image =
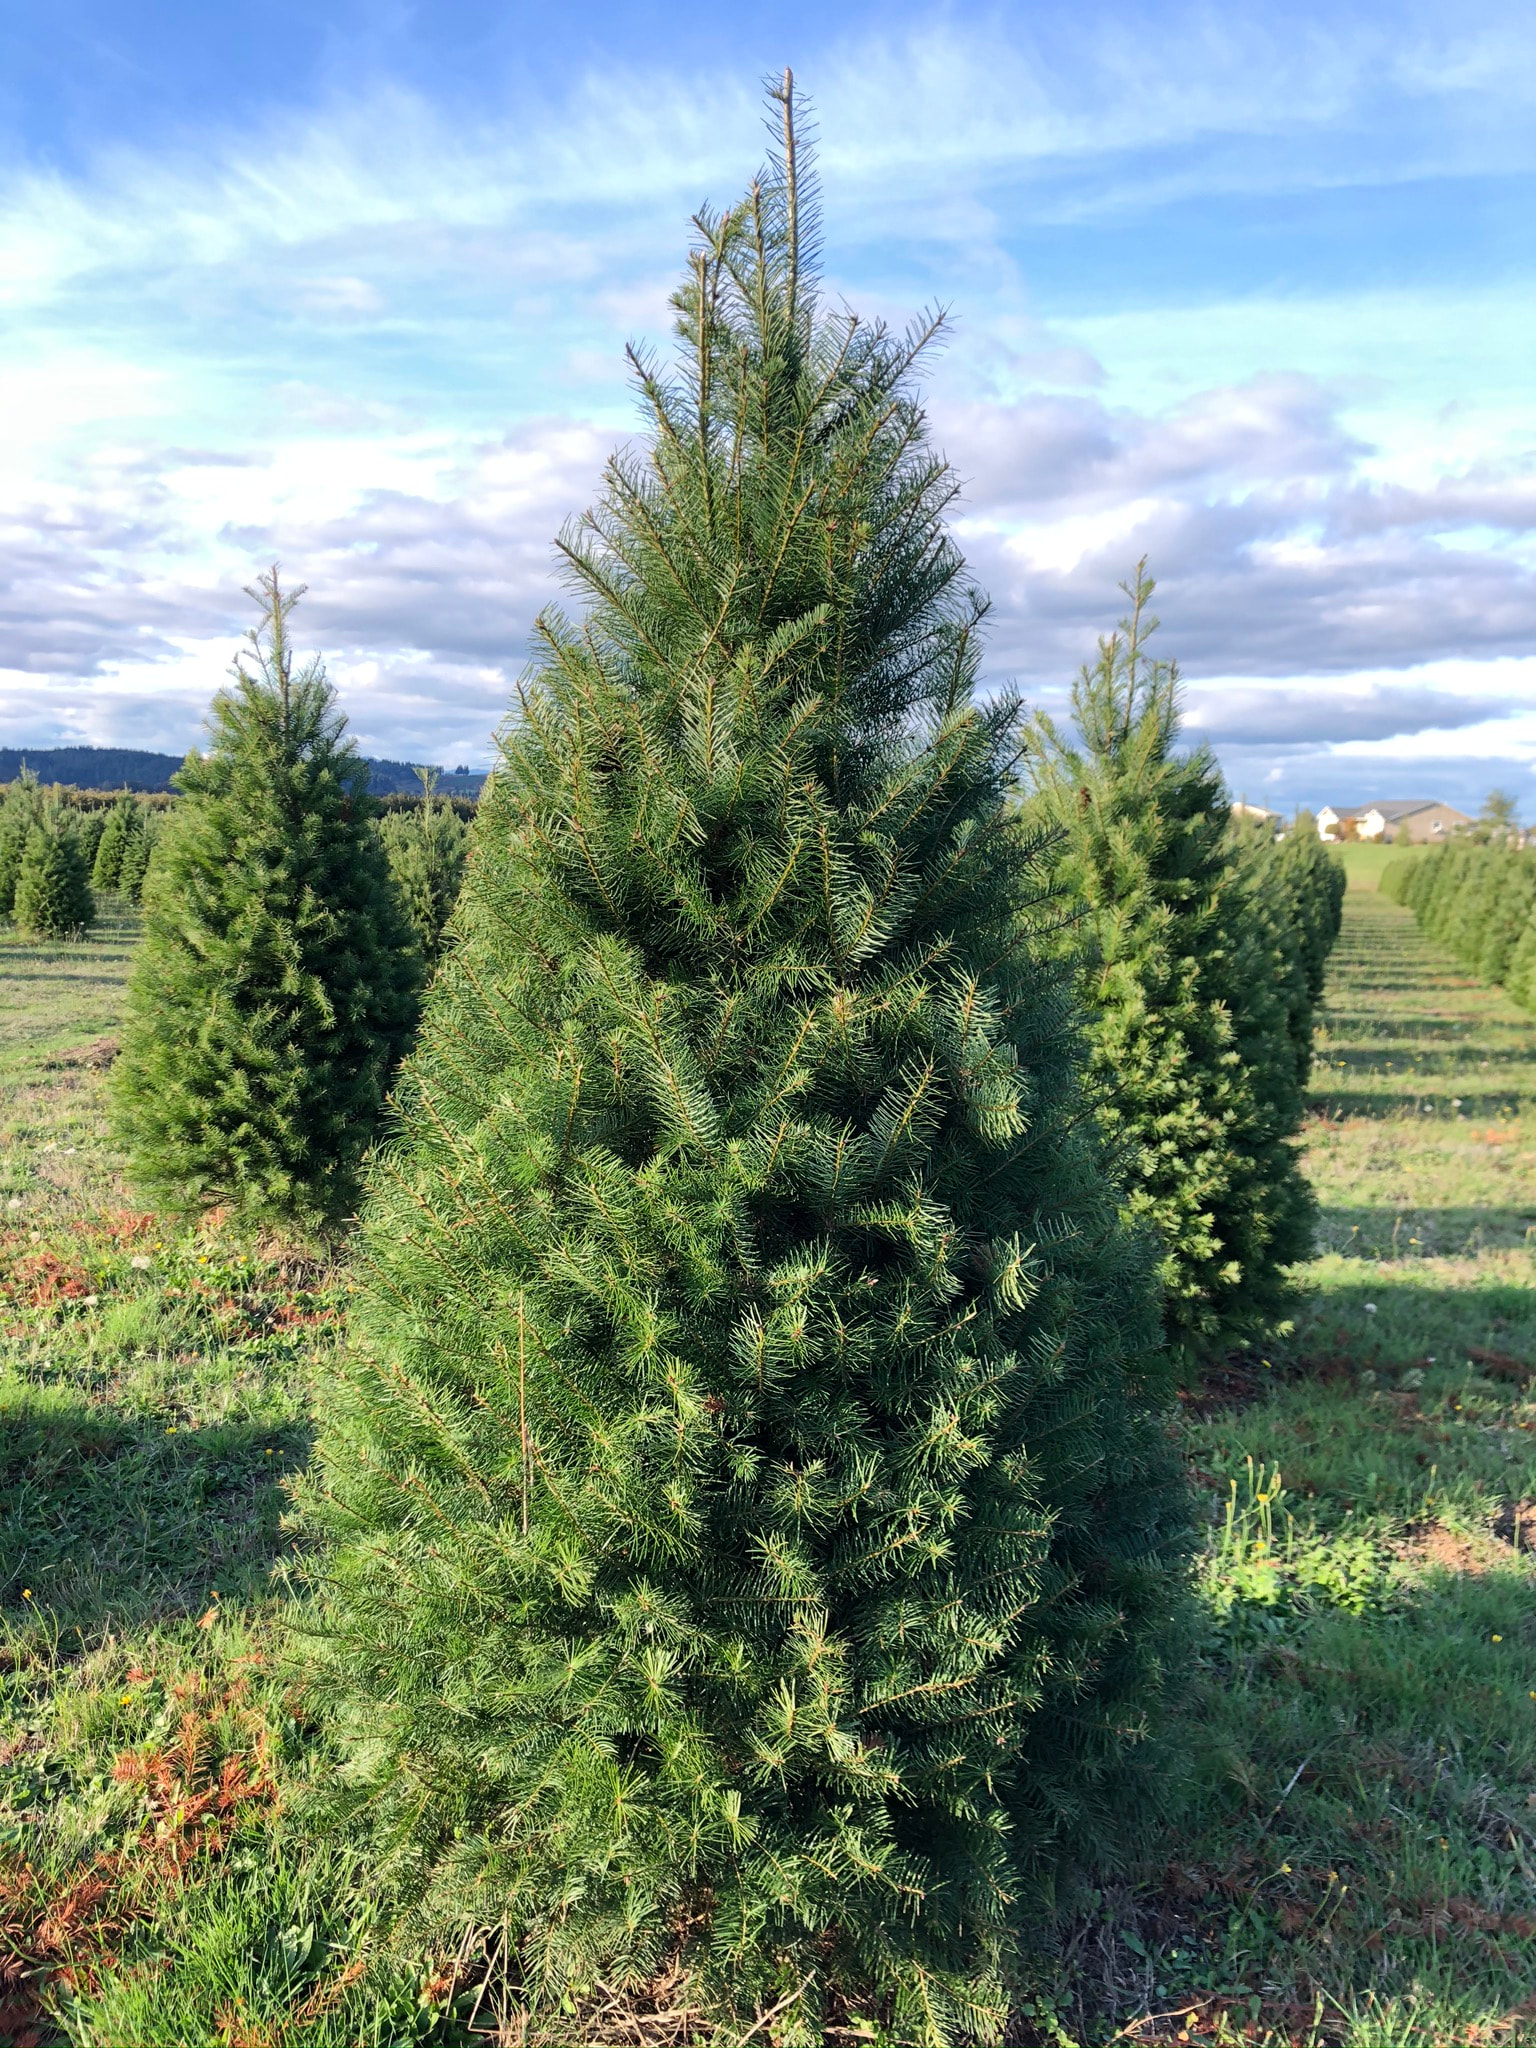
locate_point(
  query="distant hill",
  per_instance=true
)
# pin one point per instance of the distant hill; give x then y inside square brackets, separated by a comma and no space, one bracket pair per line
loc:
[132,768]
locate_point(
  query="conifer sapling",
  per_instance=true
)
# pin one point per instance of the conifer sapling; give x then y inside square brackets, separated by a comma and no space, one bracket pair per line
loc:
[753,1527]
[53,892]
[276,984]
[1194,1066]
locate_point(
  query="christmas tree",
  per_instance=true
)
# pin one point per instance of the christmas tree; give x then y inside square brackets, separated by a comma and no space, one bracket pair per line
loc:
[1195,1068]
[20,814]
[753,1523]
[87,827]
[53,890]
[136,857]
[1314,882]
[124,825]
[276,984]
[426,847]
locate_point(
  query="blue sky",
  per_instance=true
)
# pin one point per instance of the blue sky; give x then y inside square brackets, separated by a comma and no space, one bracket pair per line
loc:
[1251,291]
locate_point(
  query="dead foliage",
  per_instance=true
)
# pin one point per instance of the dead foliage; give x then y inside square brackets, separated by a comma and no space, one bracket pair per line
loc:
[39,1279]
[123,1226]
[66,1930]
[1500,1365]
[94,1057]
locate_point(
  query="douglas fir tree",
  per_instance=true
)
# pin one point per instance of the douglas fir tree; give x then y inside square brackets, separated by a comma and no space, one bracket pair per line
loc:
[1195,1065]
[53,890]
[753,1522]
[137,851]
[426,846]
[20,815]
[276,984]
[124,827]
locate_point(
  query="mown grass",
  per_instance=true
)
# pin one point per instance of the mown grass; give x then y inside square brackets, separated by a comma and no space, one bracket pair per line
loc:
[1364,863]
[1351,1850]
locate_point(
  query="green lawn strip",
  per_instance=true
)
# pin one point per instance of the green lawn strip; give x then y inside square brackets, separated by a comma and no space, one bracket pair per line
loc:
[55,994]
[1365,863]
[1355,1860]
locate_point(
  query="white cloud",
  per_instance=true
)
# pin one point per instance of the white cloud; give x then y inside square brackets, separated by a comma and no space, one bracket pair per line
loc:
[293,340]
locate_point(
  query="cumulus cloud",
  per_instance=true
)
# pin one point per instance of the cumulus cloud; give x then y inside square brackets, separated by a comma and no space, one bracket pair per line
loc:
[1276,551]
[293,344]
[428,559]
[1313,717]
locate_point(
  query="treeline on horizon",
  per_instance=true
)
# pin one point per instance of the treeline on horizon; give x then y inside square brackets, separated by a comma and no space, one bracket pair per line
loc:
[103,771]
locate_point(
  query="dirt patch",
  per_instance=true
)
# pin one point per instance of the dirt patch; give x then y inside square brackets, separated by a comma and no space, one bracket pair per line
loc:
[94,1057]
[1433,1547]
[1516,1525]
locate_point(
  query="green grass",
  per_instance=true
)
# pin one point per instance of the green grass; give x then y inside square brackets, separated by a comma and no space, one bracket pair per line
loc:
[1364,863]
[1350,1855]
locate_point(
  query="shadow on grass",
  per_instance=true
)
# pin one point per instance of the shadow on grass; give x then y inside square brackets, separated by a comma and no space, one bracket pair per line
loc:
[1408,1232]
[1346,1839]
[1393,1313]
[1464,1104]
[108,1518]
[1371,1025]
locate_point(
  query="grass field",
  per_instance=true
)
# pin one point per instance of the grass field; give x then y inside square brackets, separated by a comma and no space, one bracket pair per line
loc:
[1364,864]
[1351,1850]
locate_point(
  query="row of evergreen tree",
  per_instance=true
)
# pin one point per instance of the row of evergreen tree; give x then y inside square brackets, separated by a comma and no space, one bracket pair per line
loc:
[748,1528]
[1479,902]
[55,856]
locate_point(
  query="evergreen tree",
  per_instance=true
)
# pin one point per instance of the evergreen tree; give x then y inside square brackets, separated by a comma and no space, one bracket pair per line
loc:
[124,825]
[53,892]
[1195,1062]
[1296,890]
[276,984]
[426,848]
[754,1524]
[87,827]
[20,814]
[1314,882]
[1263,929]
[136,858]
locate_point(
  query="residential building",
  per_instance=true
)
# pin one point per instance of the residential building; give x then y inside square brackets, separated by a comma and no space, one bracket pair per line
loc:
[1419,820]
